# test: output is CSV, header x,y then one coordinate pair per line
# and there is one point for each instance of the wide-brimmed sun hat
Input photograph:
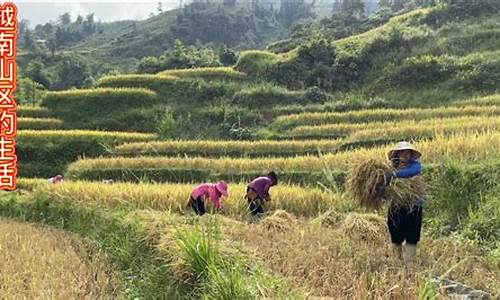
x,y
404,146
222,187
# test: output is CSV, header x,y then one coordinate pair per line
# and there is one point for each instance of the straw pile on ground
x,y
280,221
369,227
368,174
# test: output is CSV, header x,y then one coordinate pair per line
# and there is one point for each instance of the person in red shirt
x,y
258,192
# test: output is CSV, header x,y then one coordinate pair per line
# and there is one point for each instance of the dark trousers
x,y
405,224
255,207
198,206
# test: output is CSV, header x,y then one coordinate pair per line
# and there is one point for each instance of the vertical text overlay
x,y
8,120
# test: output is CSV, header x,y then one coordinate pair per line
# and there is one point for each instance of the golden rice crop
x,y
480,101
378,115
227,148
65,135
134,80
467,147
174,197
405,127
38,123
25,111
43,263
428,128
98,92
209,72
368,174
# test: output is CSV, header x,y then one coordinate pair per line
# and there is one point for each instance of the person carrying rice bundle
x,y
397,181
258,192
206,191
405,222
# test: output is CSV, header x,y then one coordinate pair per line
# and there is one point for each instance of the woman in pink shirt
x,y
258,192
206,191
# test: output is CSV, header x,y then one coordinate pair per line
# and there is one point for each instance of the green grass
x,y
43,153
124,109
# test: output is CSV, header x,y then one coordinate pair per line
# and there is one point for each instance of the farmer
x,y
405,223
56,179
206,191
258,192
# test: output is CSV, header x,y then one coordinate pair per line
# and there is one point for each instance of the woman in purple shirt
x,y
258,192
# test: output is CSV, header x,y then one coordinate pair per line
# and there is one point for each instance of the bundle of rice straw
x,y
279,221
369,227
367,174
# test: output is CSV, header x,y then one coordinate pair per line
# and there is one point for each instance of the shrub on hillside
x,y
256,63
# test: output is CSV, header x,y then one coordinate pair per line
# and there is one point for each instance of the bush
x,y
256,63
266,95
457,188
173,90
106,108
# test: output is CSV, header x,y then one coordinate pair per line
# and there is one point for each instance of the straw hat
x,y
222,187
404,146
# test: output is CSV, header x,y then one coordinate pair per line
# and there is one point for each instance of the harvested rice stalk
x,y
369,227
368,174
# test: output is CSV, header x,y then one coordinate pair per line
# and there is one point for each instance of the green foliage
x,y
167,125
43,153
228,57
180,57
457,189
106,109
219,273
256,63
266,95
246,25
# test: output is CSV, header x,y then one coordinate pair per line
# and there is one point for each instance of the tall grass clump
x,y
218,271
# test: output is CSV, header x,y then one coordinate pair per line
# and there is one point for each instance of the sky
x,y
40,12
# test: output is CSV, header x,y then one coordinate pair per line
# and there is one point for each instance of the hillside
x,y
132,147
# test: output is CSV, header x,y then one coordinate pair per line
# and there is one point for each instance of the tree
x,y
65,19
35,71
398,5
384,4
89,26
353,8
292,10
230,3
29,41
227,57
159,8
52,46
